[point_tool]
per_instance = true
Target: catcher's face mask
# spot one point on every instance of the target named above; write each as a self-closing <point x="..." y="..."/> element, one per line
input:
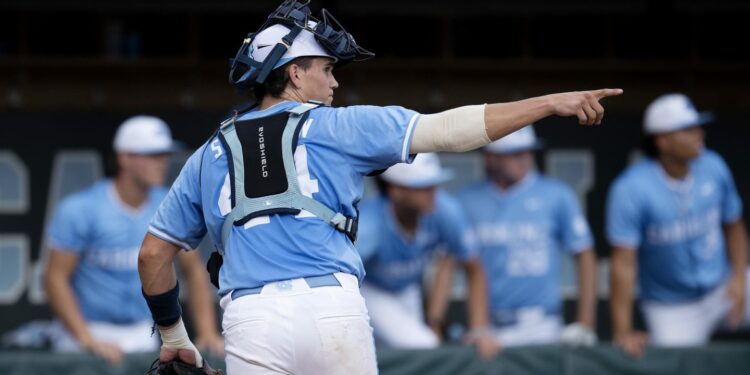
<point x="291" y="32"/>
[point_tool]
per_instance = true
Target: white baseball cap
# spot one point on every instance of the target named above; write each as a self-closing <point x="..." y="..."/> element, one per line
<point x="303" y="45"/>
<point x="523" y="139"/>
<point x="424" y="171"/>
<point x="143" y="135"/>
<point x="672" y="112"/>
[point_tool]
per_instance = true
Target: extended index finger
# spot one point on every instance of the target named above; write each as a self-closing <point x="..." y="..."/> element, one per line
<point x="603" y="93"/>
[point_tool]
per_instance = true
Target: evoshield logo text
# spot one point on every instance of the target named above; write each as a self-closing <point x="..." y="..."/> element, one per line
<point x="262" y="147"/>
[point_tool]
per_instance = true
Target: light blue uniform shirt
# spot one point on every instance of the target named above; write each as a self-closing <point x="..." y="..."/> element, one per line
<point x="521" y="232"/>
<point x="106" y="235"/>
<point x="395" y="260"/>
<point x="337" y="147"/>
<point x="676" y="226"/>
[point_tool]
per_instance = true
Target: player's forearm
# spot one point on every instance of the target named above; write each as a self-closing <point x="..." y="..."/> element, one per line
<point x="470" y="127"/>
<point x="63" y="302"/>
<point x="736" y="237"/>
<point x="478" y="295"/>
<point x="586" y="262"/>
<point x="440" y="292"/>
<point x="502" y="119"/>
<point x="621" y="291"/>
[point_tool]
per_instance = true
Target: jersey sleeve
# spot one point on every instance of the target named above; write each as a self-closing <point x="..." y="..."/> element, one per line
<point x="69" y="229"/>
<point x="179" y="219"/>
<point x="573" y="230"/>
<point x="374" y="138"/>
<point x="454" y="227"/>
<point x="623" y="217"/>
<point x="731" y="203"/>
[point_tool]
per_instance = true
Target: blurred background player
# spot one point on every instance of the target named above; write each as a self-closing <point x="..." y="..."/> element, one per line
<point x="399" y="232"/>
<point x="522" y="220"/>
<point x="674" y="219"/>
<point x="91" y="280"/>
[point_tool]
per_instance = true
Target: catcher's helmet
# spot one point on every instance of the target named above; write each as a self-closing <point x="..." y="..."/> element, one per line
<point x="291" y="32"/>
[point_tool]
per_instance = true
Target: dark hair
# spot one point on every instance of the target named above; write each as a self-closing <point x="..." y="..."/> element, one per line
<point x="649" y="146"/>
<point x="279" y="78"/>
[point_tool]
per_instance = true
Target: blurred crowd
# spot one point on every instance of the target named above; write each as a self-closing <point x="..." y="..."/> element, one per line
<point x="673" y="221"/>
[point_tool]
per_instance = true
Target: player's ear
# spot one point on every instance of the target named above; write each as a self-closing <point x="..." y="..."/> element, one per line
<point x="295" y="75"/>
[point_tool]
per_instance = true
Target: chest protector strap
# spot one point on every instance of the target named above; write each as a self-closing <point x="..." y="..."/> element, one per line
<point x="263" y="179"/>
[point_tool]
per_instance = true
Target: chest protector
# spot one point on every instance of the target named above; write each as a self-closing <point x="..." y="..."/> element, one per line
<point x="263" y="178"/>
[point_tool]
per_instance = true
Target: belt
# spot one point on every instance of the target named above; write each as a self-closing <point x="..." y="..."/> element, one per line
<point x="312" y="282"/>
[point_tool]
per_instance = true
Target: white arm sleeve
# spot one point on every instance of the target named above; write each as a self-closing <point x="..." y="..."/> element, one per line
<point x="455" y="130"/>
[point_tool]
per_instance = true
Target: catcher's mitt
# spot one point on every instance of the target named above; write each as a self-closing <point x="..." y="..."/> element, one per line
<point x="180" y="368"/>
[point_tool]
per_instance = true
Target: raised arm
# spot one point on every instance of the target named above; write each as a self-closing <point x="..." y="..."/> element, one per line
<point x="468" y="128"/>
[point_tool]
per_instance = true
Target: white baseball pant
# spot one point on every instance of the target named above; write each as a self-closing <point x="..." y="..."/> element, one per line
<point x="690" y="323"/>
<point x="533" y="327"/>
<point x="131" y="338"/>
<point x="291" y="328"/>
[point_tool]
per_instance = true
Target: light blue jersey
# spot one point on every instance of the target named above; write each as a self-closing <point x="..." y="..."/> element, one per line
<point x="106" y="235"/>
<point x="394" y="260"/>
<point x="521" y="231"/>
<point x="337" y="147"/>
<point x="676" y="226"/>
